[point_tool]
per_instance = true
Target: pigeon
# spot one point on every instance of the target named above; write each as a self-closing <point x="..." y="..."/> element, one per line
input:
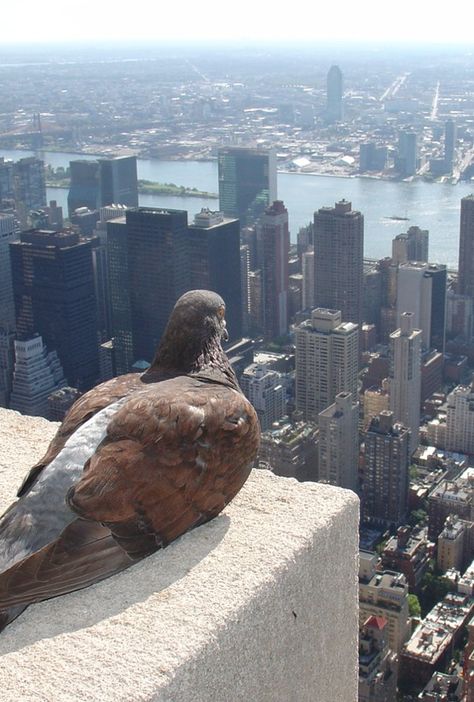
<point x="138" y="461"/>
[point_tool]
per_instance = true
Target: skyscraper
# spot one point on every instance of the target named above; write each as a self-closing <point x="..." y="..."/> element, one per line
<point x="119" y="291"/>
<point x="273" y="247"/>
<point x="338" y="260"/>
<point x="385" y="492"/>
<point x="407" y="156"/>
<point x="450" y="135"/>
<point x="213" y="254"/>
<point x="339" y="442"/>
<point x="104" y="182"/>
<point x="7" y="235"/>
<point x="53" y="286"/>
<point x="247" y="182"/>
<point x="265" y="390"/>
<point x="405" y="376"/>
<point x="7" y="360"/>
<point x="466" y="248"/>
<point x="29" y="183"/>
<point x="326" y="361"/>
<point x="334" y="109"/>
<point x="412" y="246"/>
<point x="158" y="272"/>
<point x="37" y="374"/>
<point x="421" y="289"/>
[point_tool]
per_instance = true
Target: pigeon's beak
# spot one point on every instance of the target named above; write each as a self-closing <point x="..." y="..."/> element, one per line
<point x="225" y="333"/>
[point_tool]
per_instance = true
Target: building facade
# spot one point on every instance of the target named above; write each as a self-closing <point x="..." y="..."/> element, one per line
<point x="338" y="260"/>
<point x="327" y="359"/>
<point x="339" y="442"/>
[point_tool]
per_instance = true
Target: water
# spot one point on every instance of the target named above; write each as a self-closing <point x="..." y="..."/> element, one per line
<point x="431" y="206"/>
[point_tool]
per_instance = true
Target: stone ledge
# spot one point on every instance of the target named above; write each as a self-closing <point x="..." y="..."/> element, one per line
<point x="259" y="605"/>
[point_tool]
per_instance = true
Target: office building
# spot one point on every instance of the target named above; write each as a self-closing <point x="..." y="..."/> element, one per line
<point x="37" y="374"/>
<point x="422" y="291"/>
<point x="376" y="400"/>
<point x="339" y="442"/>
<point x="247" y="182"/>
<point x="60" y="402"/>
<point x="273" y="249"/>
<point x="29" y="184"/>
<point x="100" y="183"/>
<point x="450" y="136"/>
<point x="290" y="449"/>
<point x="326" y="361"/>
<point x="459" y="315"/>
<point x="8" y="234"/>
<point x="265" y="390"/>
<point x="450" y="497"/>
<point x="431" y="646"/>
<point x="377" y="663"/>
<point x="408" y="552"/>
<point x="7" y="183"/>
<point x="7" y="362"/>
<point x="466" y="248"/>
<point x="411" y="246"/>
<point x="307" y="266"/>
<point x="338" y="260"/>
<point x="334" y="92"/>
<point x="158" y="273"/>
<point x="244" y="284"/>
<point x="460" y="420"/>
<point x="451" y="545"/>
<point x="255" y="302"/>
<point x="405" y="376"/>
<point x="406" y="161"/>
<point x="53" y="285"/>
<point x="119" y="292"/>
<point x="385" y="491"/>
<point x="213" y="253"/>
<point x="384" y="594"/>
<point x="372" y="157"/>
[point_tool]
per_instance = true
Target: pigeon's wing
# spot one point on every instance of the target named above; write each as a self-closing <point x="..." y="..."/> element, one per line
<point x="166" y="465"/>
<point x="82" y="410"/>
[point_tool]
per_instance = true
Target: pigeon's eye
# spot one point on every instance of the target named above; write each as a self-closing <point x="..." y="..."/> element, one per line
<point x="221" y="312"/>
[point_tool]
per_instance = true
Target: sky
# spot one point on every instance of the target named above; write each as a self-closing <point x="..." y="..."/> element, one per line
<point x="329" y="21"/>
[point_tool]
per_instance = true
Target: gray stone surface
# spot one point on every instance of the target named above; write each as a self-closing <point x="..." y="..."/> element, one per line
<point x="260" y="605"/>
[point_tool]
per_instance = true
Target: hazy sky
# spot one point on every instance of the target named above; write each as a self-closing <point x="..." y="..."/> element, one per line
<point x="330" y="20"/>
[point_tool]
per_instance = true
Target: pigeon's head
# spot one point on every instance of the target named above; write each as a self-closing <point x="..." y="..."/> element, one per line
<point x="200" y="313"/>
<point x="193" y="336"/>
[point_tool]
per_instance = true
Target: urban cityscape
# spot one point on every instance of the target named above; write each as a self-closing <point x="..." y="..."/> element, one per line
<point x="352" y="334"/>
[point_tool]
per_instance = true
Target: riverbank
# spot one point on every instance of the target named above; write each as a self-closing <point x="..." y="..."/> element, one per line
<point x="146" y="187"/>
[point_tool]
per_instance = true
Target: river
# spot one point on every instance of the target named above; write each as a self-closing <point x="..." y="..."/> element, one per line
<point x="431" y="206"/>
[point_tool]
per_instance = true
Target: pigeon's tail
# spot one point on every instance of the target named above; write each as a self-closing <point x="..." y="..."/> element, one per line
<point x="84" y="553"/>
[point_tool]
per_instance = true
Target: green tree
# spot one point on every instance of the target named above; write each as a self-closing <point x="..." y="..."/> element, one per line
<point x="414" y="606"/>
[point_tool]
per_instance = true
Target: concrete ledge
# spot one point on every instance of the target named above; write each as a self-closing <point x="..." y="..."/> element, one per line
<point x="260" y="605"/>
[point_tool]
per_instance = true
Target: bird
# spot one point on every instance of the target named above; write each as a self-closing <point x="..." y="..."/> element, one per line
<point x="138" y="461"/>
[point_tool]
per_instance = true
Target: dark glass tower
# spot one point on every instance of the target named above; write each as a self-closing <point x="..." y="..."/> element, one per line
<point x="247" y="182"/>
<point x="214" y="263"/>
<point x="158" y="272"/>
<point x="338" y="260"/>
<point x="120" y="314"/>
<point x="53" y="287"/>
<point x="99" y="183"/>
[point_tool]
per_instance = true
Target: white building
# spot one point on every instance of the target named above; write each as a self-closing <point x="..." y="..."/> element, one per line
<point x="421" y="289"/>
<point x="327" y="357"/>
<point x="37" y="374"/>
<point x="460" y="420"/>
<point x="405" y="376"/>
<point x="339" y="442"/>
<point x="265" y="390"/>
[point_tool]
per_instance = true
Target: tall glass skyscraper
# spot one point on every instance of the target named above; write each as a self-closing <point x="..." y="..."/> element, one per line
<point x="96" y="184"/>
<point x="53" y="287"/>
<point x="247" y="182"/>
